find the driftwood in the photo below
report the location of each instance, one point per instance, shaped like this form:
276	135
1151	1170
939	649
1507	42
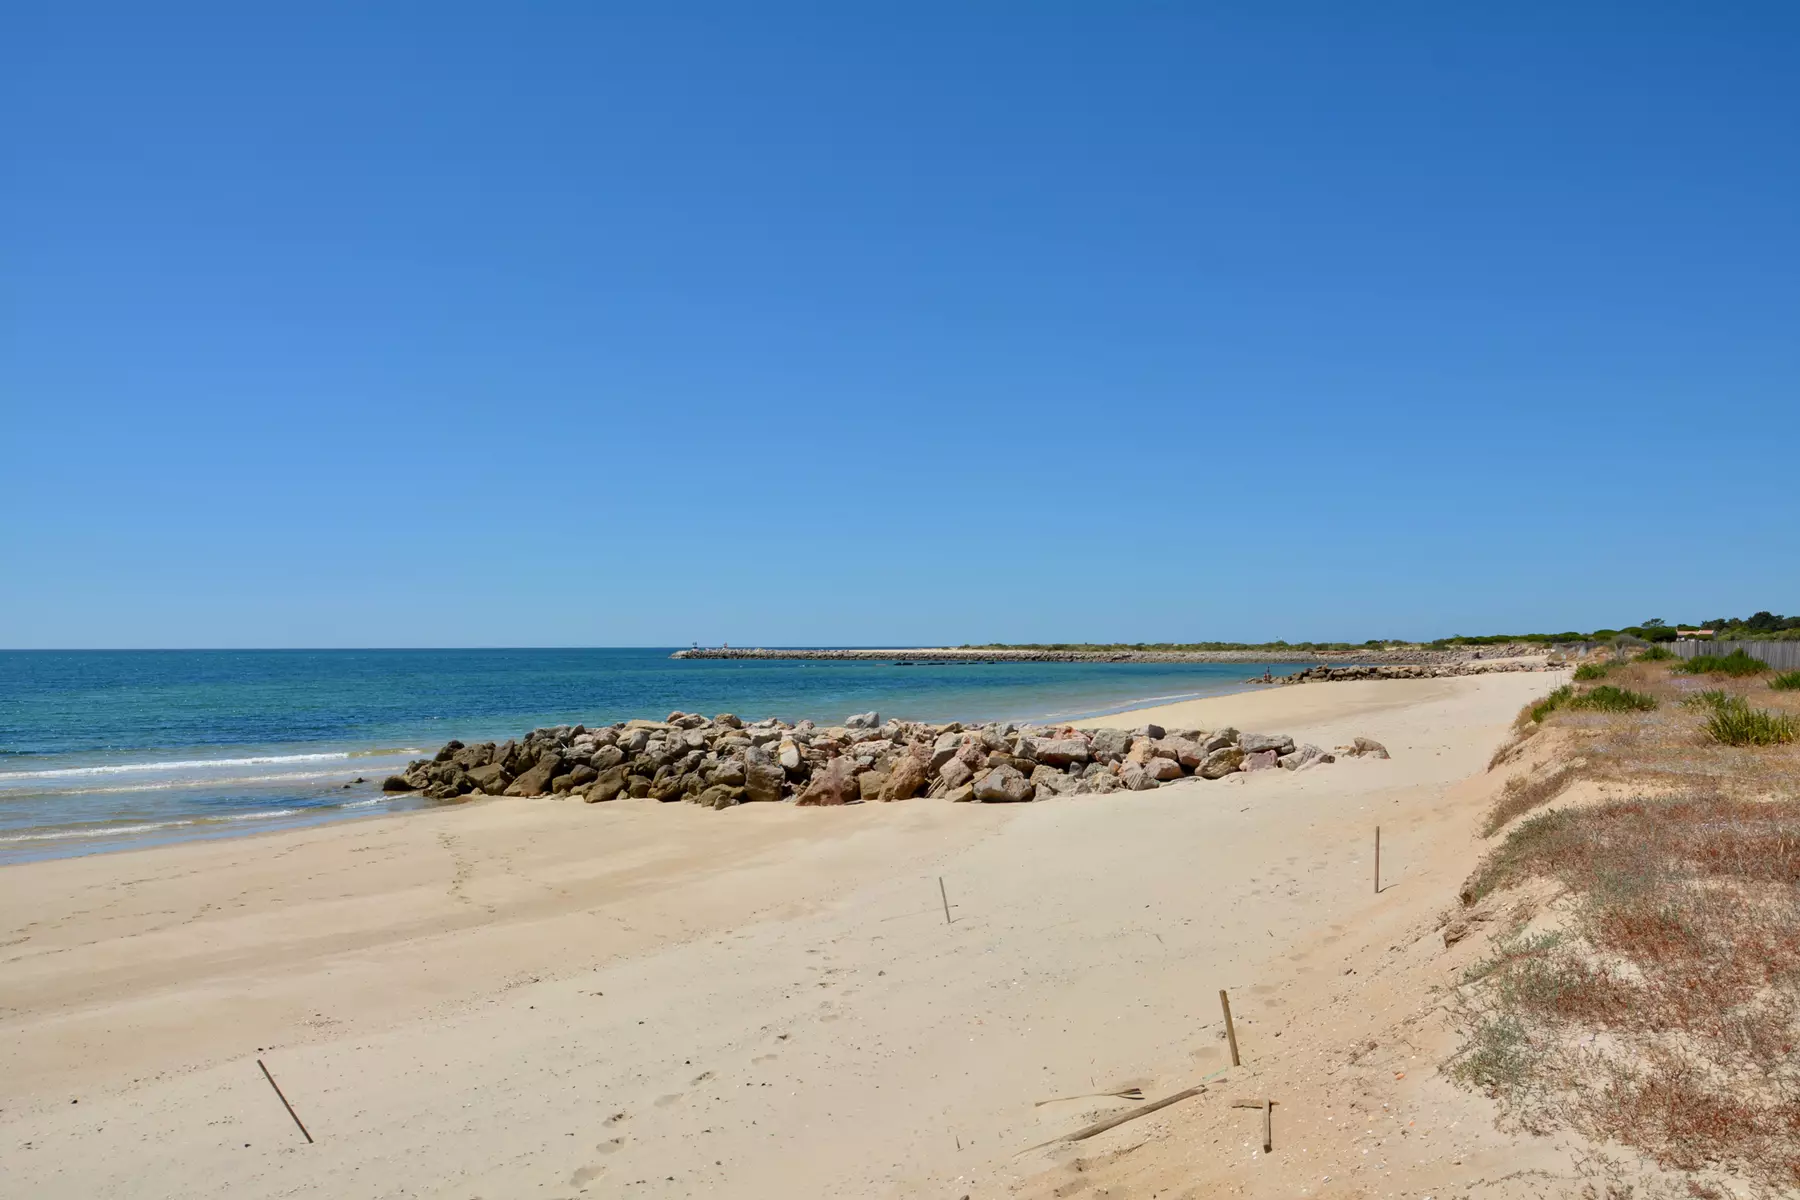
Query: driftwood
1123	1094
1143	1110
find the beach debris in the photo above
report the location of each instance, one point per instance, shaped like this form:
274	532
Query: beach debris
1268	1107
721	762
284	1102
1099	1127
1130	1093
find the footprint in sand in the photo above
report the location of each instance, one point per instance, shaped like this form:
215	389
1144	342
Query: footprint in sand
615	1119
702	1077
583	1175
611	1147
665	1101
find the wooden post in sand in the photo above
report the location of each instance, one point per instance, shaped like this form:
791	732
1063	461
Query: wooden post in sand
1267	1107
1378	860
1230	1030
945	897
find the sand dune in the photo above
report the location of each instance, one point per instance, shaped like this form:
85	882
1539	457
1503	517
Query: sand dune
552	999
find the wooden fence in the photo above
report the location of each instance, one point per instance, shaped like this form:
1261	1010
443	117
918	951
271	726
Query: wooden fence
1783	656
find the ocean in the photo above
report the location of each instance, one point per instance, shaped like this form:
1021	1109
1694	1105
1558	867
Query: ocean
107	750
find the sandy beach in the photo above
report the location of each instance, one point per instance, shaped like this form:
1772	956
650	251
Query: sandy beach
545	998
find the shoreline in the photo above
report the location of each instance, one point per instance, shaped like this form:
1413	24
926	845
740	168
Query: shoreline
973	656
447	998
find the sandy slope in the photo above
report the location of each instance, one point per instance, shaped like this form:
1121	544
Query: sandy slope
539	998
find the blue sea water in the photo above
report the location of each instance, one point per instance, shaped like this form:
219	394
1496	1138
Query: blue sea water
104	750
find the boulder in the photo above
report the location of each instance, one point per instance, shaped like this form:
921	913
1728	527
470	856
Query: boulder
536	781
470	757
1134	778
669	787
1367	746
1050	781
561	784
717	796
606	757
1099	783
944	749
1153	732
1109	745
763	781
1260	760
906	780
1163	769
396	783
956	772
1058	752
1003	785
582	775
491	779
1143	749
788	755
1220	739
729	720
868	720
834	784
1186	751
1221	762
1258	743
730	773
961	795
610	783
1304	756
869	784
637	786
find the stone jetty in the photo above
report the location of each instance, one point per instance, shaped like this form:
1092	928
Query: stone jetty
722	761
965	656
1329	674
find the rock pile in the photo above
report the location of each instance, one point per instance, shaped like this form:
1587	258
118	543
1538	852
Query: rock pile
724	761
1325	674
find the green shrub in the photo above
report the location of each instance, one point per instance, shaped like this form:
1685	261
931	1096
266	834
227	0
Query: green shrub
1737	664
1735	723
1607	698
1787	681
1587	671
1656	654
1711	698
1551	703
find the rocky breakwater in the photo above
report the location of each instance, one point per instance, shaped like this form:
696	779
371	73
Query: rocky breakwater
1327	674
723	761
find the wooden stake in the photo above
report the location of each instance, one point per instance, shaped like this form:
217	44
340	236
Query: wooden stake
945	896
284	1101
1230	1029
1378	860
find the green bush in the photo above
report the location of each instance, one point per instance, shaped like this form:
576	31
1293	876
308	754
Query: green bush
1656	654
1587	671
1737	664
1551	703
1711	698
1787	681
1735	723
1607	698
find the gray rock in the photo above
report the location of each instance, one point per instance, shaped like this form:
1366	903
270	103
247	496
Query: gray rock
398	783
763	781
1134	778
1004	785
944	749
610	783
1151	731
956	772
1257	743
1050	781
961	795
581	776
834	784
1109	745
717	796
536	781
1220	739
1058	752
868	720
1162	769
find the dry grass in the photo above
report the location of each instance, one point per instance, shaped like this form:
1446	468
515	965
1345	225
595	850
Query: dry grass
1524	793
1657	1000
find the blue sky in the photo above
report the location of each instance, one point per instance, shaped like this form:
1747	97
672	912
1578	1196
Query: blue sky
444	324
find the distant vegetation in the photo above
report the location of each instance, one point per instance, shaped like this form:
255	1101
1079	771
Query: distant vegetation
1762	626
1607	698
1591	671
1656	654
1787	681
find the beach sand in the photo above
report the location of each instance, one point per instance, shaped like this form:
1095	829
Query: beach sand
545	998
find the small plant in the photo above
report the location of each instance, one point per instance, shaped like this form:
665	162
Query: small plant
1591	671
1787	681
1551	703
1736	664
1710	698
1655	654
1607	698
1735	723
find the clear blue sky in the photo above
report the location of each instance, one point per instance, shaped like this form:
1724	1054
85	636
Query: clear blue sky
581	324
